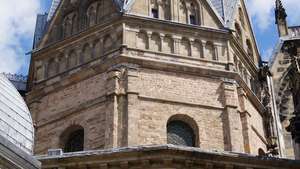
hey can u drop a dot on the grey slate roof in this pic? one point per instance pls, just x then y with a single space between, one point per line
225 9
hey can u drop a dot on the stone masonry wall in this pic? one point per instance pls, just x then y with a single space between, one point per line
82 104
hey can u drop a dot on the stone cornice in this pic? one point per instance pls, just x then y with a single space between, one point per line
165 155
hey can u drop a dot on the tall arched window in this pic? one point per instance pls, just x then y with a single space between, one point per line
249 48
192 13
73 139
154 9
239 35
92 14
74 24
180 133
166 9
182 12
242 18
67 26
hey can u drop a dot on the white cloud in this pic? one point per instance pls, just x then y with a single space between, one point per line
17 23
262 12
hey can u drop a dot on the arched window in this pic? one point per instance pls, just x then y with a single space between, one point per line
192 13
168 44
185 47
62 63
182 12
242 18
107 43
249 48
261 152
198 49
142 40
210 51
180 133
52 68
92 14
239 35
155 42
166 9
86 53
73 139
97 49
67 26
100 8
72 59
74 24
154 9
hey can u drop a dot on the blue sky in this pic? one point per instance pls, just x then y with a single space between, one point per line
17 21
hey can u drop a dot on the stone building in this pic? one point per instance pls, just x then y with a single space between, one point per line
111 74
280 66
16 130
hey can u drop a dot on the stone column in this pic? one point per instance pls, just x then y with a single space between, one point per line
177 41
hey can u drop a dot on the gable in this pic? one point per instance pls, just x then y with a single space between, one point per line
182 11
74 16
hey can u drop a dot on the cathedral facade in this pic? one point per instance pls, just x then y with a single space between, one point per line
171 80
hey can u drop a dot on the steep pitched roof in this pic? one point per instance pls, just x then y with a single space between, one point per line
225 9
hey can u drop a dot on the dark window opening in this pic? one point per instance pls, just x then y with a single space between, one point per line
193 20
180 133
75 141
154 13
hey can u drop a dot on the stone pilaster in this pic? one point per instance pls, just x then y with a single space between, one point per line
231 119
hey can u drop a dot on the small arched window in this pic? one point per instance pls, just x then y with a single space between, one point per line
185 47
142 40
198 49
211 51
168 44
86 53
72 59
74 141
155 42
52 68
107 43
180 133
62 63
239 35
97 48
